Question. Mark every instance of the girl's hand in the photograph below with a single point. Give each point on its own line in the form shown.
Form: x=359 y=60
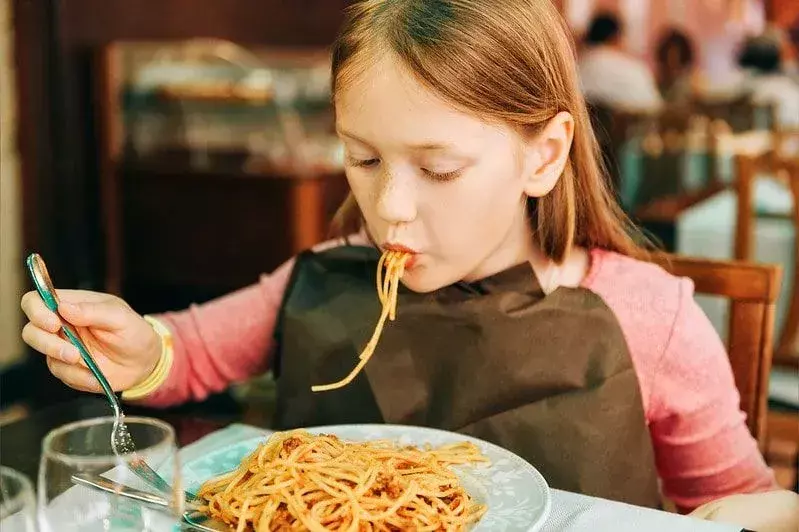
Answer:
x=773 y=511
x=122 y=343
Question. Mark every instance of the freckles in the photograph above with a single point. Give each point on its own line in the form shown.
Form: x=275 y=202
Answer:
x=359 y=185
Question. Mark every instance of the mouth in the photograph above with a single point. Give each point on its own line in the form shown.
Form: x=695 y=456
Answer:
x=402 y=249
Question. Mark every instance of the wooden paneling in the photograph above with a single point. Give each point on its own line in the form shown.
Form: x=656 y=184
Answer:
x=31 y=54
x=188 y=237
x=276 y=22
x=61 y=134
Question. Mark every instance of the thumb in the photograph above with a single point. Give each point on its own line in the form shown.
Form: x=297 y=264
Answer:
x=111 y=314
x=704 y=512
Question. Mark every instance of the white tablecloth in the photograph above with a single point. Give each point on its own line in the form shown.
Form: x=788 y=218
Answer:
x=570 y=511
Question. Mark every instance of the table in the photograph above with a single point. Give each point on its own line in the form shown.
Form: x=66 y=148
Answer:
x=199 y=430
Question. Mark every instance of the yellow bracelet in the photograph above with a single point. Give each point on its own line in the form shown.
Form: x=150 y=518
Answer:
x=161 y=370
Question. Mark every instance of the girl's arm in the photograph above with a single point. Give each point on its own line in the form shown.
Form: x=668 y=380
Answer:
x=703 y=448
x=228 y=339
x=223 y=341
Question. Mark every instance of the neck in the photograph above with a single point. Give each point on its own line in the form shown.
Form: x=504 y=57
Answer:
x=517 y=247
x=520 y=246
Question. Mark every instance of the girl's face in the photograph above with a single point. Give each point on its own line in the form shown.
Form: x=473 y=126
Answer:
x=446 y=184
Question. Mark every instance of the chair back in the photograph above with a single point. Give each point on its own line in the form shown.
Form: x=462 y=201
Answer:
x=784 y=166
x=664 y=144
x=752 y=290
x=740 y=113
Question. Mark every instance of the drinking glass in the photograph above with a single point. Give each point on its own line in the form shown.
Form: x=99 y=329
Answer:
x=84 y=448
x=17 y=502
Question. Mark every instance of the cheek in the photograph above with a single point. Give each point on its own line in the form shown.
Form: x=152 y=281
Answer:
x=355 y=181
x=477 y=209
x=361 y=187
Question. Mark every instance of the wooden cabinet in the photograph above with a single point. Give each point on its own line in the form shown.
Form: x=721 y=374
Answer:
x=160 y=234
x=192 y=236
x=206 y=179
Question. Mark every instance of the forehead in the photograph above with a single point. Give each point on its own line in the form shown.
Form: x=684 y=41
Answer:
x=386 y=104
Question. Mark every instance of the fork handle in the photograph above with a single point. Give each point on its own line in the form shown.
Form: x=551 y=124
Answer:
x=75 y=340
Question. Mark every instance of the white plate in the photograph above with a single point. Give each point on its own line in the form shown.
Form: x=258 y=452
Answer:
x=516 y=494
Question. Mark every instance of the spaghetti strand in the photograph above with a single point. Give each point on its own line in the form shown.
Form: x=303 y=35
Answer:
x=387 y=293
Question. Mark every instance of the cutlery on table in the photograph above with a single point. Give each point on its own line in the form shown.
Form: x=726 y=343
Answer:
x=192 y=518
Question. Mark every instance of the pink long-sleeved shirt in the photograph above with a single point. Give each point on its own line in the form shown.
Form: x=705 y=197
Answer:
x=702 y=446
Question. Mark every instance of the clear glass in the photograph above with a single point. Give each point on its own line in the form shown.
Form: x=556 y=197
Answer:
x=17 y=502
x=84 y=448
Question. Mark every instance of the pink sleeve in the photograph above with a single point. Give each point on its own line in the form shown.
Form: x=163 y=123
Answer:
x=703 y=448
x=228 y=339
x=223 y=341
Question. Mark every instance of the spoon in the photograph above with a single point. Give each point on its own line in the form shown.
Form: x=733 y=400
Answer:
x=121 y=440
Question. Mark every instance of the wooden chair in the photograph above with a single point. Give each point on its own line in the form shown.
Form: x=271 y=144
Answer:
x=740 y=113
x=787 y=353
x=785 y=167
x=660 y=218
x=613 y=128
x=752 y=290
x=662 y=155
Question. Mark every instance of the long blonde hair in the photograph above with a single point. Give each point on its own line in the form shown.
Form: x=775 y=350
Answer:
x=510 y=61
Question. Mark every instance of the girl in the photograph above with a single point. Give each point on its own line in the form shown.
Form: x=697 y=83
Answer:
x=528 y=314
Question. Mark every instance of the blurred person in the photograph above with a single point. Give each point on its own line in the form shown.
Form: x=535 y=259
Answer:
x=676 y=67
x=767 y=81
x=612 y=77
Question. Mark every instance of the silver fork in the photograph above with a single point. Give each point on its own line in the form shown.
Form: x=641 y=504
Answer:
x=121 y=440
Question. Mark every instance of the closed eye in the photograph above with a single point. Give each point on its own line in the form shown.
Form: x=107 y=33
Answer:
x=442 y=176
x=362 y=163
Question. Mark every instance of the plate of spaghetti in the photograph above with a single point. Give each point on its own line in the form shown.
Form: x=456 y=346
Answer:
x=369 y=478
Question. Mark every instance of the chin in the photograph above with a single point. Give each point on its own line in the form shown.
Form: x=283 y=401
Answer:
x=420 y=280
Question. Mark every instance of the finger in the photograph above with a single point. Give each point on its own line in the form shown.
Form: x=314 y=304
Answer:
x=110 y=314
x=706 y=511
x=38 y=313
x=50 y=344
x=76 y=377
x=81 y=296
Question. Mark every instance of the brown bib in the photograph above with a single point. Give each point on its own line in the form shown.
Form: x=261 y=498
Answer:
x=548 y=377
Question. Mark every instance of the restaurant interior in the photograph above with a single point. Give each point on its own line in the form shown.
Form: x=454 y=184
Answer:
x=172 y=151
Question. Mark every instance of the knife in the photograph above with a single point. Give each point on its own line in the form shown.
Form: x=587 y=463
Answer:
x=192 y=518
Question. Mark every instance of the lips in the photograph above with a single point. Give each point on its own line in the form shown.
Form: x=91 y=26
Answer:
x=403 y=249
x=399 y=247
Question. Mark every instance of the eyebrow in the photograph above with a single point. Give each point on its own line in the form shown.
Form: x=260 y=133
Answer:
x=424 y=146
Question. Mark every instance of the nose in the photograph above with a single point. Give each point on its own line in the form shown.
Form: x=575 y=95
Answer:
x=396 y=198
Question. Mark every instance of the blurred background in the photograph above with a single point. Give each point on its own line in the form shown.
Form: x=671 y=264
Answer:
x=170 y=151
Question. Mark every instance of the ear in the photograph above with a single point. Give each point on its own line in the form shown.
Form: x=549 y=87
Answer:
x=547 y=154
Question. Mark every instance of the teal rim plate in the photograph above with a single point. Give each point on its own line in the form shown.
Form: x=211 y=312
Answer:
x=517 y=496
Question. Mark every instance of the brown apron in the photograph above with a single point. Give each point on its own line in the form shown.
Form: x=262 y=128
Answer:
x=547 y=377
